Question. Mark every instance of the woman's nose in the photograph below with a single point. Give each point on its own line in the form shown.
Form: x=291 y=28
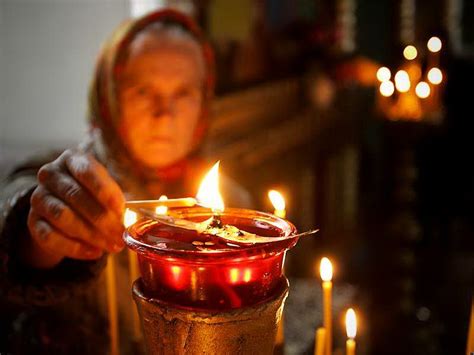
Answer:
x=163 y=106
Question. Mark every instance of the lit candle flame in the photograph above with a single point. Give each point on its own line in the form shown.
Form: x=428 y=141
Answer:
x=163 y=210
x=278 y=203
x=325 y=269
x=208 y=194
x=434 y=44
x=129 y=217
x=351 y=324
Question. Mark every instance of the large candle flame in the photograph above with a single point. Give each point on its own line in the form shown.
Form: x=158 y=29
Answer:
x=129 y=217
x=277 y=200
x=325 y=269
x=351 y=323
x=208 y=194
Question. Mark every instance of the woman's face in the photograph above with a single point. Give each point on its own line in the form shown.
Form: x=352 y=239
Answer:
x=161 y=93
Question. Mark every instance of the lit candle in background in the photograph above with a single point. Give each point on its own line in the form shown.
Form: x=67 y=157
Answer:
x=383 y=74
x=325 y=270
x=435 y=76
x=434 y=45
x=410 y=52
x=422 y=90
x=351 y=330
x=402 y=81
x=129 y=218
x=278 y=203
x=319 y=341
x=162 y=209
x=387 y=88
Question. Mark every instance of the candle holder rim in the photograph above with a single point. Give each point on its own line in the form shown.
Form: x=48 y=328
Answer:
x=280 y=246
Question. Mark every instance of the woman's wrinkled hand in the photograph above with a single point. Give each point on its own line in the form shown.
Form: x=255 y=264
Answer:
x=76 y=210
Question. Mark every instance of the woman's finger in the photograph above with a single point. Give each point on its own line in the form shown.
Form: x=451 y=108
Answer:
x=67 y=222
x=65 y=188
x=54 y=242
x=96 y=179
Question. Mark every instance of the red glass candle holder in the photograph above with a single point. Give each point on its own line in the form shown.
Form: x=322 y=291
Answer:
x=198 y=271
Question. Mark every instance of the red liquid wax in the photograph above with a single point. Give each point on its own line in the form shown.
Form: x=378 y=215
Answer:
x=200 y=271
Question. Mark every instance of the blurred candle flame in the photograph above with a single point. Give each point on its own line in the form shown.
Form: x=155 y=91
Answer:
x=434 y=44
x=325 y=269
x=278 y=203
x=386 y=88
x=208 y=194
x=435 y=76
x=129 y=217
x=422 y=90
x=163 y=210
x=351 y=323
x=383 y=74
x=410 y=52
x=402 y=81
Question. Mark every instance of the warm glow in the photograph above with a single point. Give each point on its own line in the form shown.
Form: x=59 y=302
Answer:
x=410 y=52
x=434 y=44
x=176 y=270
x=386 y=88
x=208 y=194
x=247 y=275
x=383 y=74
x=129 y=217
x=402 y=81
x=422 y=90
x=435 y=76
x=234 y=275
x=351 y=323
x=325 y=269
x=163 y=210
x=277 y=200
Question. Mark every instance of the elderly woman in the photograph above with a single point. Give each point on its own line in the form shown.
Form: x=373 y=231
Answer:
x=60 y=220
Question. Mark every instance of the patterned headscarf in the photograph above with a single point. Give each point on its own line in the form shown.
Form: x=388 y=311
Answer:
x=104 y=108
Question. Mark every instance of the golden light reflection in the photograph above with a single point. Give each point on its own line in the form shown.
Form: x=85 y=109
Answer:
x=387 y=88
x=208 y=194
x=176 y=270
x=351 y=324
x=383 y=74
x=402 y=81
x=234 y=275
x=247 y=275
x=325 y=269
x=130 y=217
x=410 y=52
x=435 y=76
x=422 y=90
x=434 y=44
x=163 y=210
